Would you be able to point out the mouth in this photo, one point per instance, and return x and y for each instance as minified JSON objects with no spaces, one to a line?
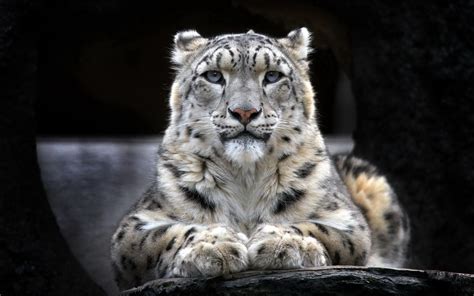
{"x":245,"y":136}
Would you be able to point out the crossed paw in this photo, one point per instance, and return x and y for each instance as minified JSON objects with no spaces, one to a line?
{"x":220,"y":250}
{"x":212,"y":252}
{"x":273,"y":247}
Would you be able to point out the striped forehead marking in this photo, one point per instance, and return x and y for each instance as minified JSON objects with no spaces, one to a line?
{"x":243,"y":49}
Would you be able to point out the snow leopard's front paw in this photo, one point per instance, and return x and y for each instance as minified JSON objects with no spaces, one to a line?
{"x":281,"y":247}
{"x":211,"y":252}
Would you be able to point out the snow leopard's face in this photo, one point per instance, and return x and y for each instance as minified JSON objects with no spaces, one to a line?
{"x":243,"y":92}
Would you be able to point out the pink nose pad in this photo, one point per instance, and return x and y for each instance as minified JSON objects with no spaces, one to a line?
{"x":244,"y":116}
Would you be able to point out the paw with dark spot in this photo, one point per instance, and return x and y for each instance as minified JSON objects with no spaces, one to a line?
{"x":281,"y":247}
{"x":213,"y":252}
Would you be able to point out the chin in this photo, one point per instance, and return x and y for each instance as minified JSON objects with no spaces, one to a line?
{"x":244,"y":150}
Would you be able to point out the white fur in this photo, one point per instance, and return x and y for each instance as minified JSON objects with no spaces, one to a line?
{"x":244,"y":152}
{"x":194,"y":41}
{"x":378,"y":261}
{"x":299,"y":41}
{"x":151,"y":223}
{"x":340,"y":219}
{"x":186,"y":35}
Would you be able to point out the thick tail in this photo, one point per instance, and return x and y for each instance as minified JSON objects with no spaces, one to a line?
{"x":379,"y":203}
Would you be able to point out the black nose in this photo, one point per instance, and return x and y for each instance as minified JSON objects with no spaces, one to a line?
{"x":245,"y":116}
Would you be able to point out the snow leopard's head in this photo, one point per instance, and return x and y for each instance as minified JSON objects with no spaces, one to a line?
{"x":248,"y":95}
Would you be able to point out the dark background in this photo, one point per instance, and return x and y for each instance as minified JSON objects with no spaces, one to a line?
{"x":109,"y":73}
{"x":86,"y":68}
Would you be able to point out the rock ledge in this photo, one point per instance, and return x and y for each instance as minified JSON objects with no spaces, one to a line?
{"x":321,"y":281}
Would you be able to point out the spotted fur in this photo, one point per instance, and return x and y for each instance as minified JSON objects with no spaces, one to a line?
{"x":243,"y":176}
{"x":388,"y":222}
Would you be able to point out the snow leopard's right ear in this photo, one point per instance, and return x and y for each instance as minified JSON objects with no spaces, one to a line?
{"x":186,"y":44}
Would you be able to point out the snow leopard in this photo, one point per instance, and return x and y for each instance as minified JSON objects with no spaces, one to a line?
{"x":244,"y":180}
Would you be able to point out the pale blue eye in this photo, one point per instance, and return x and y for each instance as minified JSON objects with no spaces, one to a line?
{"x":272,"y":76}
{"x":214,"y":76}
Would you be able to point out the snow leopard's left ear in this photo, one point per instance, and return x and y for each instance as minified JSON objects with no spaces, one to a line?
{"x":298,"y":43}
{"x":186,"y":44}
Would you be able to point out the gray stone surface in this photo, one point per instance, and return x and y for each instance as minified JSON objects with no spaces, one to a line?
{"x":333,"y":281}
{"x":91,"y":182}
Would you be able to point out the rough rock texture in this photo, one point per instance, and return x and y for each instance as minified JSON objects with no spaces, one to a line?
{"x":34,"y":258}
{"x":330,"y":281}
